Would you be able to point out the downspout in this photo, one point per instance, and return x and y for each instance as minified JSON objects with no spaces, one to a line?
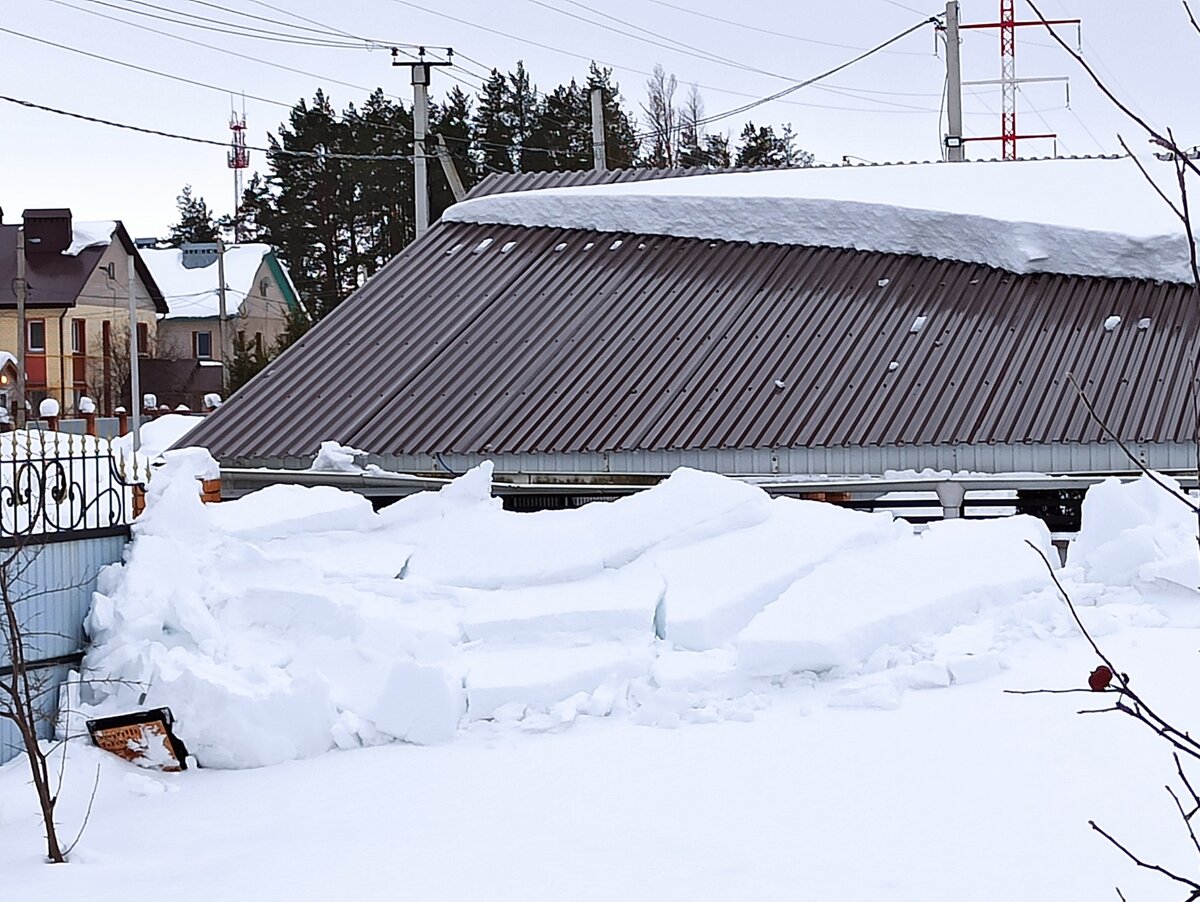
{"x":62,"y":363}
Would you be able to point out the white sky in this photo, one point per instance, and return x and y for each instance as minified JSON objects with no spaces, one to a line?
{"x":885,"y":108}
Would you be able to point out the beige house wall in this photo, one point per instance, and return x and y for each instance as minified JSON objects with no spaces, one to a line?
{"x":105,"y":298}
{"x":263,"y":312}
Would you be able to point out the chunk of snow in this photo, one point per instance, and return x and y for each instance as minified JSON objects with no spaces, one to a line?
{"x":333,"y":457}
{"x":48,"y":407}
{"x":1111,"y":323}
{"x":212,"y":401}
{"x":917,"y":325}
{"x":90,"y":234}
{"x":483,"y":245}
{"x":1144,"y":323}
{"x":882,"y":283}
{"x":157,"y":435}
{"x":780,"y":384}
{"x":86,"y":405}
{"x":893,"y":366}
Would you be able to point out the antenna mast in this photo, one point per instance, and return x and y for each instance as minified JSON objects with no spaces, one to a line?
{"x":239,"y":159}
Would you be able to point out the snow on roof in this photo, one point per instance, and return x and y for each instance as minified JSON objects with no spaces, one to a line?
{"x":194,"y":292}
{"x":1094,"y":216}
{"x":90,"y":234}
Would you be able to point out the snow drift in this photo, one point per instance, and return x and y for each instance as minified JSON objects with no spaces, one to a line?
{"x":298,"y":619}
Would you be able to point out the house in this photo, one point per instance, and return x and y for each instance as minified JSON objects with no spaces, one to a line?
{"x":77,"y":319}
{"x":840,"y":320}
{"x":258,"y":296}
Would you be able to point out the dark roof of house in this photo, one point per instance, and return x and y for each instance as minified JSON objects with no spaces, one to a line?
{"x":507,"y":339}
{"x":56,"y":280}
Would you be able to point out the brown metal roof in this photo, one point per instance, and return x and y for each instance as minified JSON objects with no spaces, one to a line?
{"x":505,"y":339}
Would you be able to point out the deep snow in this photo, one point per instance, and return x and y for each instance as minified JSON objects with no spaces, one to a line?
{"x":1074,"y":216}
{"x":695,"y":692}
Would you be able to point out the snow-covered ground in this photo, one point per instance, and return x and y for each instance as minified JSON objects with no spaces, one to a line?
{"x":697,"y":692}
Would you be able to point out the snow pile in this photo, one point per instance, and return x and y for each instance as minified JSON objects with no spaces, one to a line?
{"x":298,"y":619}
{"x":336,"y":458}
{"x":1138,"y":533}
{"x":1080,"y":217}
{"x":90,"y":234}
{"x":194,"y":292}
{"x":157,"y":435}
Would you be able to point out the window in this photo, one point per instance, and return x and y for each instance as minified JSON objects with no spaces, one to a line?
{"x":143,"y":339}
{"x":36,"y":338}
{"x":79,"y":336}
{"x":202,"y":345}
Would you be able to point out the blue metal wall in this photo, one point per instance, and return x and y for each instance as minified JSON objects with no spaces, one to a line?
{"x":54,"y":582}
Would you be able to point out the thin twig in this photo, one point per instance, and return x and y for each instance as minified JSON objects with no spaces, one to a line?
{"x":87,"y":815}
{"x":1144,"y":864}
{"x":1154,"y":477}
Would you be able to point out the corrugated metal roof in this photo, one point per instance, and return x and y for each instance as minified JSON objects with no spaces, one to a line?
{"x":506,"y":339}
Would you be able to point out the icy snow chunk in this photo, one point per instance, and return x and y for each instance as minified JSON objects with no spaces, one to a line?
{"x":508,"y":246}
{"x":877,"y":694}
{"x":1111,"y":323}
{"x":283,"y":510}
{"x":614,"y":603}
{"x":882,"y":283}
{"x":780,"y":384}
{"x":717,"y":586}
{"x":48,"y":408}
{"x":539,"y":676}
{"x":917,"y":325}
{"x":483,"y":245}
{"x":893,"y":366}
{"x":561,"y":246}
{"x":86,"y":405}
{"x":1137,"y":532}
{"x":973,"y":668}
{"x":894,"y":593}
{"x":419,"y":704}
{"x":1143,"y":324}
{"x":616,"y":244}
{"x":332,"y":457}
{"x":157,"y":435}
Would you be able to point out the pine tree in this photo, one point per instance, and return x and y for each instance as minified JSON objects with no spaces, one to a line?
{"x":491,"y":125}
{"x":196,"y":224}
{"x":562,"y":136}
{"x":248,"y":360}
{"x":762,"y":147}
{"x":522,"y":112}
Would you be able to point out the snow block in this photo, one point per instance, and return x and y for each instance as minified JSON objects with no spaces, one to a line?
{"x":419,"y":704}
{"x":895,"y":594}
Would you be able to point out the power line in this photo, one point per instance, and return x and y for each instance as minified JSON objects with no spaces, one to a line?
{"x":224,"y":50}
{"x":145,"y":69}
{"x":744,"y":108}
{"x":208,"y":141}
{"x":775,"y":33}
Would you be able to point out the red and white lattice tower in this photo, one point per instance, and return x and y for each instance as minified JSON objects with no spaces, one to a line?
{"x":239,"y":159}
{"x":1008,"y":79}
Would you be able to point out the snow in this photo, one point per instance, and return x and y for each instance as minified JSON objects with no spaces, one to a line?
{"x":1111,"y":323}
{"x":156,"y":435}
{"x":1074,"y":216}
{"x":195,"y":292}
{"x":48,"y":408}
{"x":726,"y":694}
{"x":90,"y":234}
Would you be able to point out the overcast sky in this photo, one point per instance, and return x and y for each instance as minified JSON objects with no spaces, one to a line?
{"x":884,"y":108}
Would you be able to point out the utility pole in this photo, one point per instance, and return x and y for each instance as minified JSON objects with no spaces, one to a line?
{"x":420,"y":82}
{"x":22,"y":288}
{"x":600,"y":162}
{"x":135,"y":381}
{"x":953,"y":139}
{"x":222,"y":310}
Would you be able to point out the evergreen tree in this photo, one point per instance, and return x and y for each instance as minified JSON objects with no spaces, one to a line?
{"x":562,"y":137}
{"x":522,"y":112}
{"x":762,"y":147}
{"x":491,"y":125}
{"x":248,"y":360}
{"x":196,"y":224}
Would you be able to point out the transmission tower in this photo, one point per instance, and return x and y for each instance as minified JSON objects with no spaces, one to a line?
{"x":239,"y":160}
{"x":1008,"y":80}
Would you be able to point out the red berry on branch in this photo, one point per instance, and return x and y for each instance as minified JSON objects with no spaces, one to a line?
{"x":1100,"y":678}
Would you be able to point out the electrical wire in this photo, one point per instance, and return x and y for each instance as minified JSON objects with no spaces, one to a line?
{"x":145,"y":69}
{"x":773,"y":32}
{"x":224,"y":50}
{"x":745,"y":108}
{"x":208,"y":141}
